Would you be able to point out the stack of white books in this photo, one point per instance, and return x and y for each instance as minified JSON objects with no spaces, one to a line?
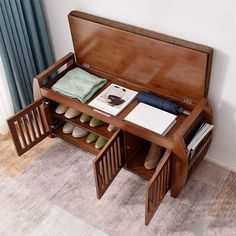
{"x":201,"y":133}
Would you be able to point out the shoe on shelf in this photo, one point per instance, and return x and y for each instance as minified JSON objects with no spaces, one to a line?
{"x":92,"y":137}
{"x":84,"y":118}
{"x":68,"y":128}
{"x":61,"y":109}
{"x":100,"y":143}
{"x":111,"y":128}
{"x":94,"y":122}
{"x":72,"y":113}
{"x":79,"y":132}
{"x":153,"y":156}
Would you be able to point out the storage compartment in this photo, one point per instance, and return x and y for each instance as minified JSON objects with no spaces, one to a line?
{"x":109,"y":162}
{"x":118,"y":120}
{"x":203,"y":146}
{"x":145,"y":61}
{"x":199,"y":115}
{"x":80,"y":142}
{"x":136,"y":150}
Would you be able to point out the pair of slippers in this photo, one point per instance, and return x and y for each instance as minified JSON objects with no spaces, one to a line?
{"x":93,"y":122}
{"x":68,"y":112}
{"x":72,"y":113}
{"x":78,"y":132}
{"x":100,"y":141}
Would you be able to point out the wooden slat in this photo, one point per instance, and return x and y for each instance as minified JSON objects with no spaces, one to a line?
{"x":102,"y":173}
{"x":41,"y":119}
{"x":106,"y":165}
{"x":25,"y":123}
{"x":105,"y":169}
{"x":119,"y":152}
{"x":36,"y":124}
{"x":112,"y":160}
{"x":109,"y":165}
{"x":154,"y":197}
{"x":161,"y":182}
{"x":157,"y":187}
{"x":116,"y":155}
{"x":168,"y":171}
{"x":23,"y":127}
{"x":29,"y":118}
{"x":22,"y":134}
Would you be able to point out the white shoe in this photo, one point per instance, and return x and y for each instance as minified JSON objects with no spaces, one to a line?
{"x":153,"y":156}
{"x":111,"y":128}
{"x":71,"y":113}
{"x":61,"y":109}
{"x":79,"y":132}
{"x":68,"y":128}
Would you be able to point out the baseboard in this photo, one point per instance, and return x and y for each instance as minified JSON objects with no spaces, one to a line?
{"x":222,"y":157}
{"x":220,"y":164}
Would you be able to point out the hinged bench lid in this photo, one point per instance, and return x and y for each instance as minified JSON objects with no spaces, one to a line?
{"x":158,"y":62}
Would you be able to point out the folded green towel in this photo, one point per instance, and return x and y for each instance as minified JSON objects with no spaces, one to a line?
{"x":78,"y":83}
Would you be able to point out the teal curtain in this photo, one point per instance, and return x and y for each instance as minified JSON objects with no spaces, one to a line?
{"x":24,"y":47}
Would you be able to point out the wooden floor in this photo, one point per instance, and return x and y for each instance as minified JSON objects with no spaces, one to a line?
{"x":10,"y":163}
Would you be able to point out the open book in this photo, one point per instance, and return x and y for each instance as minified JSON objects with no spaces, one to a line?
{"x":113,"y":99}
{"x":151,"y":118}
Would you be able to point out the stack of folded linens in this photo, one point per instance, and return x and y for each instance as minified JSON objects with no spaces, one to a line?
{"x":79,"y":84}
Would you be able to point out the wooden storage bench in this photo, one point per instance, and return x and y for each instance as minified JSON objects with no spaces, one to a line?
{"x":140,"y":60}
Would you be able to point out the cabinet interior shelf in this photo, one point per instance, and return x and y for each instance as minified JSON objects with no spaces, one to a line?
{"x":80,"y":142}
{"x":136,"y":165}
{"x":101,"y":131}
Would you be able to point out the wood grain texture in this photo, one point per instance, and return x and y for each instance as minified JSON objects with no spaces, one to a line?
{"x":157,"y":186}
{"x":108,"y":163}
{"x":10,"y":163}
{"x":28,"y":127}
{"x":79,"y":142}
{"x":157,"y":65}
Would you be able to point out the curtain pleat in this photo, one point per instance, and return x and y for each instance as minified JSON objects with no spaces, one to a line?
{"x":24,"y":47}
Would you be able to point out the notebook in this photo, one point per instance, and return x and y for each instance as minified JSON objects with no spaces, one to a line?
{"x":151,"y":118}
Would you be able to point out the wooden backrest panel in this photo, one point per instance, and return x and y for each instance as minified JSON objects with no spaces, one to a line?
{"x":141,"y":57}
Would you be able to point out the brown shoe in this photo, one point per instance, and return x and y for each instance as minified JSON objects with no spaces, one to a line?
{"x":153,"y":156}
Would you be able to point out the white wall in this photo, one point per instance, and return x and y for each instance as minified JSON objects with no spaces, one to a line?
{"x":208,"y":22}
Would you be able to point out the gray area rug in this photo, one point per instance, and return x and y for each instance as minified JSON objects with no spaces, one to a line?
{"x":55,"y":195}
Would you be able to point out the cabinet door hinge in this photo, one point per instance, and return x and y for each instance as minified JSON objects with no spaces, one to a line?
{"x":54,"y":125}
{"x":85,"y":65}
{"x":45,"y":104}
{"x":50,"y":128}
{"x":187,"y":100}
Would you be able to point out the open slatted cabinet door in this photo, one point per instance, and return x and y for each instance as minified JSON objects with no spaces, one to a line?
{"x":29,"y":126}
{"x":157,"y":187}
{"x":108,"y":163}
